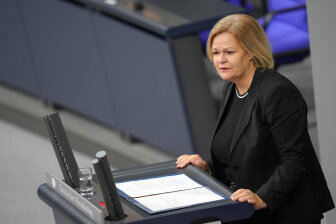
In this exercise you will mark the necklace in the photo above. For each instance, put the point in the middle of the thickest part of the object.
(247, 80)
(240, 96)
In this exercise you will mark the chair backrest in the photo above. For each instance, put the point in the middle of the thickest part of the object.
(283, 4)
(287, 29)
(203, 35)
(297, 17)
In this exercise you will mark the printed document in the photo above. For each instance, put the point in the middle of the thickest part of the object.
(166, 193)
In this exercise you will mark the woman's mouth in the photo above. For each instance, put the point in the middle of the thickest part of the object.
(223, 69)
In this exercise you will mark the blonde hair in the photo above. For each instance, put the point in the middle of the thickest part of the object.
(250, 36)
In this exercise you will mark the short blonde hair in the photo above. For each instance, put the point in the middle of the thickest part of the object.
(250, 35)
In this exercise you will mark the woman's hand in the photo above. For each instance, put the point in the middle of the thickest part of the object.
(184, 160)
(247, 195)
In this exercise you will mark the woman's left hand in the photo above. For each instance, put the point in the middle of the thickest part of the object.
(247, 195)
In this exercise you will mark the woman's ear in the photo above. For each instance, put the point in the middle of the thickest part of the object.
(251, 57)
(256, 60)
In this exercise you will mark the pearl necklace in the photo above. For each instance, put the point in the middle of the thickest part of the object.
(240, 96)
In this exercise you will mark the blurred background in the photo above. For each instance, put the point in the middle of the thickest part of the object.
(131, 77)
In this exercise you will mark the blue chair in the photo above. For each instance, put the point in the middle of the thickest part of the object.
(286, 26)
(203, 35)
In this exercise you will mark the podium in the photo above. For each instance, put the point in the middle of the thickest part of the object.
(224, 210)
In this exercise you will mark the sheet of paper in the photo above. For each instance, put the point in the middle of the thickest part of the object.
(165, 193)
(157, 185)
(179, 199)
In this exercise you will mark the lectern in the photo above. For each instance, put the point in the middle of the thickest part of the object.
(69, 209)
(106, 206)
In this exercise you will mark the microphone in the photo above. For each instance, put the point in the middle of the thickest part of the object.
(108, 187)
(62, 148)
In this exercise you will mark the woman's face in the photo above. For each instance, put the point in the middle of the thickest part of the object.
(232, 62)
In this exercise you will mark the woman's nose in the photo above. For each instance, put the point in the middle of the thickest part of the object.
(222, 58)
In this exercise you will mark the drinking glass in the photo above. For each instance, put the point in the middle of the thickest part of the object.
(85, 181)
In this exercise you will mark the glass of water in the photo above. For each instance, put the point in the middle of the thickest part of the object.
(85, 181)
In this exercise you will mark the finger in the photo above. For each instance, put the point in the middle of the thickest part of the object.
(240, 197)
(181, 157)
(238, 192)
(244, 198)
(184, 161)
(246, 193)
(242, 194)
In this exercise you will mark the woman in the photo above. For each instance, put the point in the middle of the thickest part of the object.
(261, 147)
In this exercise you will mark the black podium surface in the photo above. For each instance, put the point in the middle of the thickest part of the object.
(167, 18)
(224, 210)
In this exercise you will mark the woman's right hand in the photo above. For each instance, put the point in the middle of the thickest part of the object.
(195, 159)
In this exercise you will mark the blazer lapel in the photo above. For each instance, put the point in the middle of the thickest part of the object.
(226, 96)
(246, 113)
(243, 121)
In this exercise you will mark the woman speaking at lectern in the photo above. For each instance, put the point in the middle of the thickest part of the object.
(260, 147)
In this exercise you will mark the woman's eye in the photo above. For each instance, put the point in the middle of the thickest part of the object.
(229, 52)
(215, 53)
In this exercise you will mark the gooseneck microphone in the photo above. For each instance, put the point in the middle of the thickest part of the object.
(108, 187)
(62, 149)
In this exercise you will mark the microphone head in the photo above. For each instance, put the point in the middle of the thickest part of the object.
(95, 161)
(100, 154)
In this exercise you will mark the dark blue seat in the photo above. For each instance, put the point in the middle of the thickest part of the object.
(286, 26)
(285, 23)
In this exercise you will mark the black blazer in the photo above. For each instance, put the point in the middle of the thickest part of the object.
(272, 154)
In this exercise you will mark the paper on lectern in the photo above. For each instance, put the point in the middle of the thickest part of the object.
(166, 193)
(157, 185)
